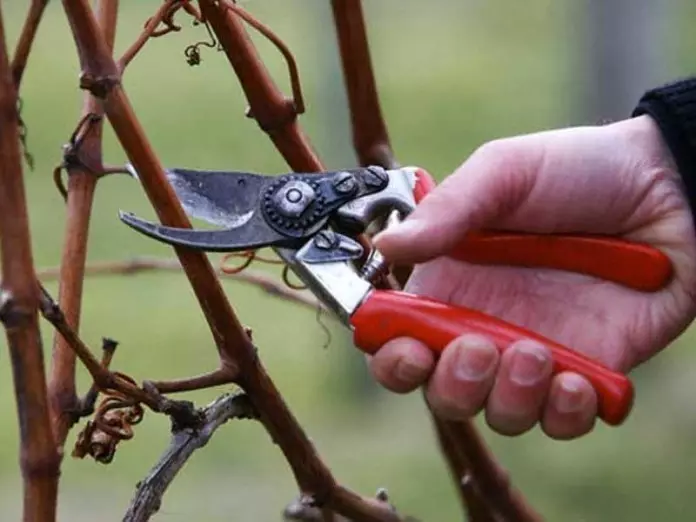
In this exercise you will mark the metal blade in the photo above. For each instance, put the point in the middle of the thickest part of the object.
(227, 199)
(226, 240)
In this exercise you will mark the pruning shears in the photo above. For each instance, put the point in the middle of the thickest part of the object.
(313, 221)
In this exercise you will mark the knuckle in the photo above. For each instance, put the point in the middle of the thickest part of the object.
(504, 153)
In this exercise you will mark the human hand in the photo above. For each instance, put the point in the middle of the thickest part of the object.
(616, 180)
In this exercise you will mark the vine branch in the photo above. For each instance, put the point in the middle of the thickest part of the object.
(26, 39)
(39, 459)
(82, 183)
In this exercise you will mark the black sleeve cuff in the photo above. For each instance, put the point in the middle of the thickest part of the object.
(673, 107)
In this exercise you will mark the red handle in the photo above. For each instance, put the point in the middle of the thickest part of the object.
(386, 315)
(634, 265)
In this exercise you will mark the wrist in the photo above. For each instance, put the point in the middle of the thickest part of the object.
(651, 182)
(654, 158)
(673, 111)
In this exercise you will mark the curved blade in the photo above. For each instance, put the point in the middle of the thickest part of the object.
(226, 199)
(226, 240)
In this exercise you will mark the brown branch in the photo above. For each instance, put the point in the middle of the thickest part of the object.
(146, 264)
(82, 183)
(278, 118)
(274, 113)
(148, 496)
(39, 458)
(370, 136)
(199, 382)
(26, 39)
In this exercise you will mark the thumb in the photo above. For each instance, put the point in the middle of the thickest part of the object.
(491, 184)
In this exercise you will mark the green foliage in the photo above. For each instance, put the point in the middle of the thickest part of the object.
(452, 75)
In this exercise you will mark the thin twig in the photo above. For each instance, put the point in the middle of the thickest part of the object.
(199, 382)
(147, 264)
(103, 378)
(26, 39)
(87, 403)
(184, 443)
(39, 459)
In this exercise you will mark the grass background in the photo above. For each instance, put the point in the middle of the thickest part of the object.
(452, 75)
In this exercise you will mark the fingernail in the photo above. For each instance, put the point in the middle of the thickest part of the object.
(409, 371)
(570, 398)
(530, 364)
(476, 359)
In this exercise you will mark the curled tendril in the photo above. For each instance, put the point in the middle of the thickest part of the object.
(113, 422)
(193, 51)
(298, 103)
(248, 257)
(286, 280)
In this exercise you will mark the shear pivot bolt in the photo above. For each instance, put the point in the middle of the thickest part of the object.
(345, 183)
(376, 177)
(293, 195)
(293, 198)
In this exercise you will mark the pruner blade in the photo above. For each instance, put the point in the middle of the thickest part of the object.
(220, 240)
(226, 199)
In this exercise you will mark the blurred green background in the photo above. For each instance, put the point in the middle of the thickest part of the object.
(452, 75)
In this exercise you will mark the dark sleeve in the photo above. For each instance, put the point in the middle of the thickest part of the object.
(673, 107)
